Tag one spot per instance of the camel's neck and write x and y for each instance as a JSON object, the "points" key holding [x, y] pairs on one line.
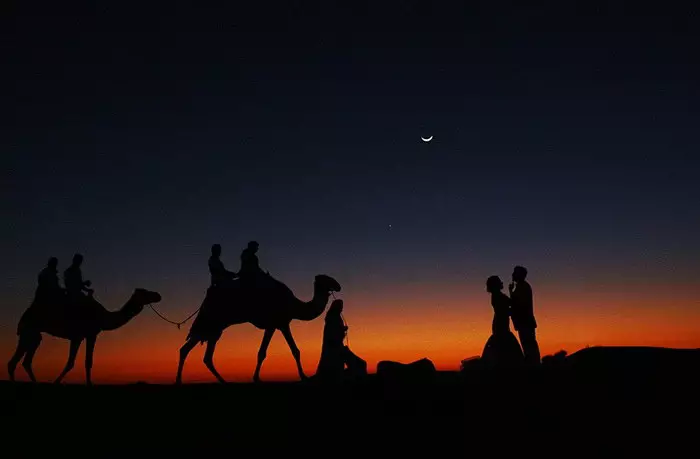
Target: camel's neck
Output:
{"points": [[310, 310], [111, 320]]}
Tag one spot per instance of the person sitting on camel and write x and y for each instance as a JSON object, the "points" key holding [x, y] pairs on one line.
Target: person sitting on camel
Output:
{"points": [[75, 285], [220, 276], [48, 290], [250, 266]]}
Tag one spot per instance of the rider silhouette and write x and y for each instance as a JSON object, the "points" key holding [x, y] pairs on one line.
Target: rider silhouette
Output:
{"points": [[250, 266], [48, 288], [73, 280], [220, 276]]}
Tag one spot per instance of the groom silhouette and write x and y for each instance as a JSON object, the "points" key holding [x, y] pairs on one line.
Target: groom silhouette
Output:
{"points": [[522, 313]]}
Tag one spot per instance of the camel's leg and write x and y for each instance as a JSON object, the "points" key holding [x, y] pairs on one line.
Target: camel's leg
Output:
{"points": [[89, 350], [209, 358], [72, 354], [262, 353], [184, 352], [17, 356], [287, 333], [27, 347]]}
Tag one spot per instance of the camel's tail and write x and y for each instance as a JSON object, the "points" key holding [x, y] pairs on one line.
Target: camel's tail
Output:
{"points": [[199, 339], [202, 324], [189, 336]]}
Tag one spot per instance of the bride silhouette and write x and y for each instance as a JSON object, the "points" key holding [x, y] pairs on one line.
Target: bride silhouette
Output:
{"points": [[502, 348]]}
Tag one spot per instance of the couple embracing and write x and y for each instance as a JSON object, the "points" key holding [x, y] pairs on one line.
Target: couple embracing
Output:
{"points": [[502, 348]]}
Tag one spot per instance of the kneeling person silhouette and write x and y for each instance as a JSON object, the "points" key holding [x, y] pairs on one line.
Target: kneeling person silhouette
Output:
{"points": [[335, 355]]}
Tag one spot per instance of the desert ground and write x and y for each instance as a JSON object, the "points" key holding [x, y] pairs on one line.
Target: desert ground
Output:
{"points": [[606, 402]]}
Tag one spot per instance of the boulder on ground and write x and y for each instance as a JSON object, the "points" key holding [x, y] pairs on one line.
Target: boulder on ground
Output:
{"points": [[556, 360], [470, 363], [420, 370]]}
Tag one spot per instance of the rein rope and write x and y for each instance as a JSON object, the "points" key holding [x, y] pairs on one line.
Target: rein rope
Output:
{"points": [[177, 324]]}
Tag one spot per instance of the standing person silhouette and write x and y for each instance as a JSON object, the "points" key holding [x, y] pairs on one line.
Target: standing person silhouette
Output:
{"points": [[502, 348], [220, 276], [522, 313]]}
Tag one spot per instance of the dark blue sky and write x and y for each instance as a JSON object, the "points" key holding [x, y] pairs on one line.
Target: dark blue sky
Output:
{"points": [[565, 139]]}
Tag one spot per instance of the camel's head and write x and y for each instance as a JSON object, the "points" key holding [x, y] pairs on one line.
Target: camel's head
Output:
{"points": [[326, 283], [143, 297]]}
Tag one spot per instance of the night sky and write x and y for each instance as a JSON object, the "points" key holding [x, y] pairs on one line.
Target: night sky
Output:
{"points": [[565, 140]]}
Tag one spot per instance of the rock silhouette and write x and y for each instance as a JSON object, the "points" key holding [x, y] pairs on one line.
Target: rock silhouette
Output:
{"points": [[422, 370]]}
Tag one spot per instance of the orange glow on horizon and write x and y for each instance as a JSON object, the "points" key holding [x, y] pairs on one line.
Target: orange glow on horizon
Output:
{"points": [[401, 329]]}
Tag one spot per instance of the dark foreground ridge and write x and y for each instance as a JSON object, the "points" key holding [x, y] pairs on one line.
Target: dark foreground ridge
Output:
{"points": [[584, 403]]}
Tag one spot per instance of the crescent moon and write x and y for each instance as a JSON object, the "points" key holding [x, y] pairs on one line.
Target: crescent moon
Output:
{"points": [[427, 140]]}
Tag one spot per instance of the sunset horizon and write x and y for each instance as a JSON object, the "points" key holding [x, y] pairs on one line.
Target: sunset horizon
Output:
{"points": [[146, 349]]}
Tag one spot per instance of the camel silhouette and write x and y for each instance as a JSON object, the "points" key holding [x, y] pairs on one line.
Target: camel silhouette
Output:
{"points": [[74, 323], [269, 305]]}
